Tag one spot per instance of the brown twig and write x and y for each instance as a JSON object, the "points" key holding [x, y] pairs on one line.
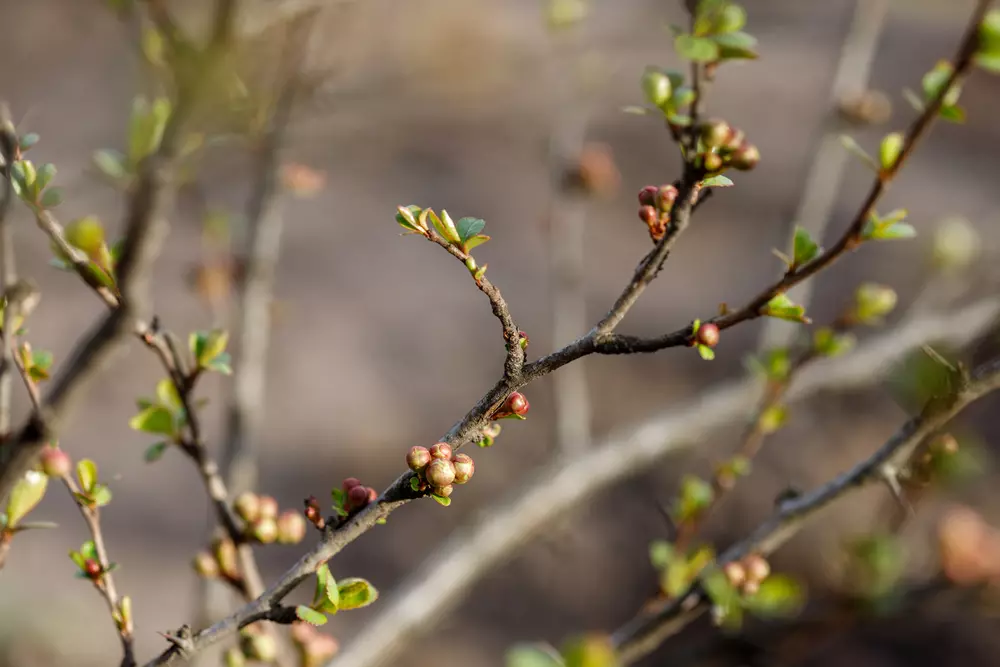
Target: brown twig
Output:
{"points": [[9, 149]]}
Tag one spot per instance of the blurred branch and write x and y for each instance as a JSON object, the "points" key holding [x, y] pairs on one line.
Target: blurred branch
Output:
{"points": [[476, 550], [643, 634], [9, 149], [818, 200]]}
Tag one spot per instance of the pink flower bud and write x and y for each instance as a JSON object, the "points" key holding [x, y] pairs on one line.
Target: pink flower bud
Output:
{"points": [[465, 467], [440, 473], [417, 458]]}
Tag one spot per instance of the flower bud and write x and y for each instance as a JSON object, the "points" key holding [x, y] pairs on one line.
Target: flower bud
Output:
{"points": [[945, 444], [873, 301], [205, 565], [515, 405], [440, 473], [264, 530], [234, 658], [225, 555], [92, 569], [444, 491], [465, 467], [734, 139], [735, 573], [757, 568], [714, 133], [372, 495], [647, 196], [441, 450], [708, 334], [745, 157], [357, 498], [712, 162], [314, 513], [260, 647], [267, 508], [247, 506], [648, 215], [417, 458], [750, 587], [657, 87], [56, 462], [665, 197], [291, 527], [350, 483]]}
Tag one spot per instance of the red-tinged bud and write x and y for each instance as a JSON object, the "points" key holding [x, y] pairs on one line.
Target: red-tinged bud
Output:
{"points": [[314, 513], [647, 196], [303, 633], [247, 506], [291, 527], [440, 473], [92, 569], [350, 483], [357, 498], [734, 140], [714, 133], [735, 573], [417, 458], [444, 491], [268, 508], [516, 405], [745, 157], [492, 430], [320, 650], [225, 555], [441, 450], [56, 462], [265, 531], [757, 568], [712, 162], [372, 495], [465, 467], [665, 197], [523, 340], [708, 334], [648, 215], [205, 565]]}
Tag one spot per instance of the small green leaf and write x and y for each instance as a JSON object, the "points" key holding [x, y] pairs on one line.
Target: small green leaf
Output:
{"points": [[310, 616], [804, 248], [706, 353], [86, 472], [661, 554], [532, 655], [45, 175], [697, 49], [89, 550], [831, 344], [726, 608], [718, 181], [475, 241], [592, 650], [155, 451], [26, 494], [784, 308], [100, 495], [414, 483], [852, 146], [695, 495], [221, 364], [736, 46], [407, 217], [167, 394], [989, 62], [356, 593], [441, 500], [78, 559], [683, 96], [111, 164], [891, 147], [935, 80], [213, 344], [155, 419], [51, 198], [731, 18], [657, 87], [779, 596], [952, 113], [772, 419], [28, 140], [468, 227], [331, 593]]}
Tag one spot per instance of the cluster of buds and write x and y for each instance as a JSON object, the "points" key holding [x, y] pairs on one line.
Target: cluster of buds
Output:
{"points": [[722, 146], [747, 575], [489, 435], [515, 407], [263, 522], [314, 647], [55, 462], [220, 562], [356, 495], [655, 204], [439, 468]]}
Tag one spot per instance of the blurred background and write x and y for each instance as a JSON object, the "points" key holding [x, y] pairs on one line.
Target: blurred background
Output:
{"points": [[380, 342]]}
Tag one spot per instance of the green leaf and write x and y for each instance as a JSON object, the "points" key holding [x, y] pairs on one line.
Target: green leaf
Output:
{"points": [[706, 353], [28, 140], [446, 226], [726, 608], [414, 483], [221, 364], [167, 394], [155, 451], [78, 559], [468, 227], [888, 228], [697, 49], [852, 146], [100, 495], [210, 345], [26, 494], [891, 147], [661, 554], [657, 87], [953, 114], [146, 127], [784, 308], [592, 650], [804, 248], [935, 80], [327, 595], [355, 593], [86, 472], [532, 655], [407, 217], [989, 32], [155, 419], [441, 500], [89, 550], [731, 18], [695, 495], [683, 96], [989, 62], [736, 46], [772, 419], [310, 616], [718, 181], [110, 163], [779, 596], [477, 240], [45, 175], [831, 344], [51, 198]]}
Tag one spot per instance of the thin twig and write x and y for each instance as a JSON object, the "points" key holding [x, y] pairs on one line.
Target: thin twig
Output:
{"points": [[564, 485], [447, 575], [8, 268], [643, 634]]}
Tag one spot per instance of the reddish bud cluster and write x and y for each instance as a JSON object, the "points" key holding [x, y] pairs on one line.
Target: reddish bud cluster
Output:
{"points": [[516, 405], [314, 513], [747, 575], [314, 647], [358, 496], [655, 204], [724, 146], [439, 468]]}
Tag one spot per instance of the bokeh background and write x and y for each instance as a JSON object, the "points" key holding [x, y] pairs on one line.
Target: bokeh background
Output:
{"points": [[380, 343]]}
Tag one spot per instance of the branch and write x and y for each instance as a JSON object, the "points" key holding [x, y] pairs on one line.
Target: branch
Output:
{"points": [[641, 636], [9, 149], [447, 575]]}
